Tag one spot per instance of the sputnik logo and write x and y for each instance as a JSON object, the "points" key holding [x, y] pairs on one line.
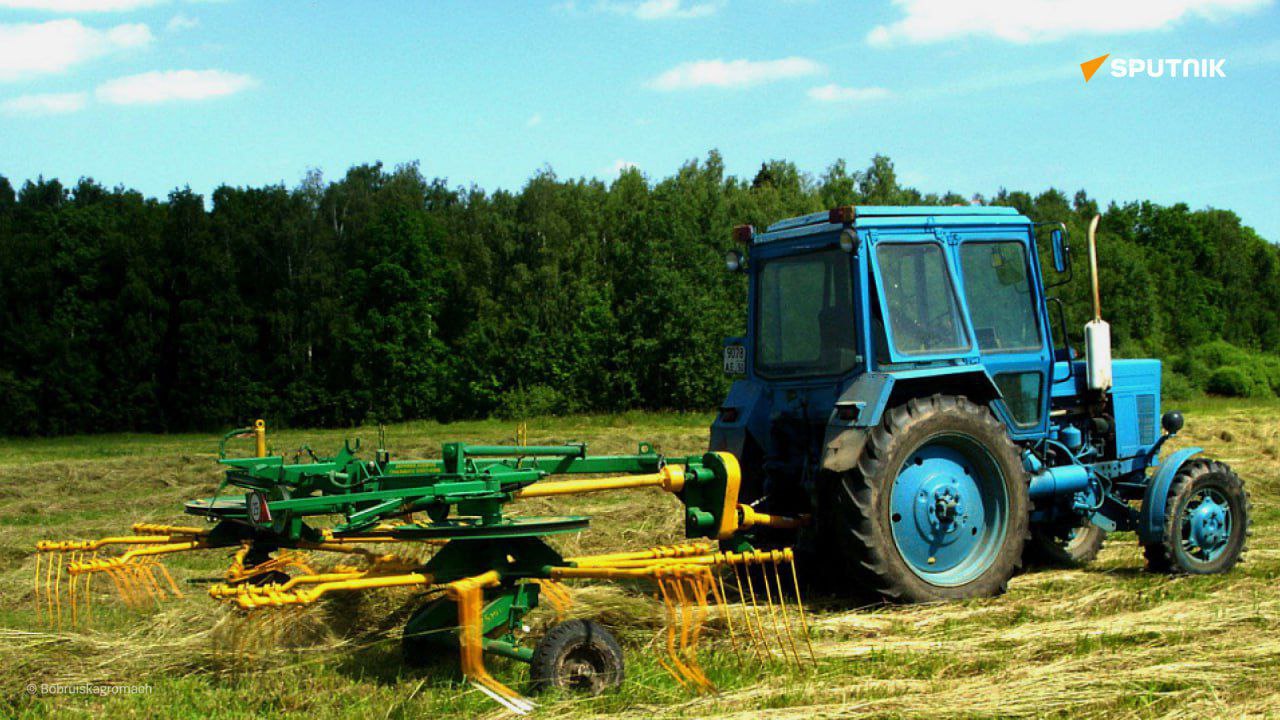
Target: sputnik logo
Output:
{"points": [[1089, 67], [1171, 68]]}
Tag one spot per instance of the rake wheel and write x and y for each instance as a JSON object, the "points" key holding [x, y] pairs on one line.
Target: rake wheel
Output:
{"points": [[577, 655]]}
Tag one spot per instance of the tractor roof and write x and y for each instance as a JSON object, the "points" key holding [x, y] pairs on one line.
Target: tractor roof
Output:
{"points": [[940, 214]]}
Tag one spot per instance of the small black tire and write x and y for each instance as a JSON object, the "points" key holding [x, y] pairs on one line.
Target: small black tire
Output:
{"points": [[577, 655], [1065, 547], [862, 499], [1198, 476]]}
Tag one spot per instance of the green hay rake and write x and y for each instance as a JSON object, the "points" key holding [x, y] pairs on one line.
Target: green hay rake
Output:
{"points": [[481, 568]]}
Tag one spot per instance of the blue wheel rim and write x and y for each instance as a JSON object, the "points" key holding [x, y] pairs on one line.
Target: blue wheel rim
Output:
{"points": [[1206, 525], [949, 510]]}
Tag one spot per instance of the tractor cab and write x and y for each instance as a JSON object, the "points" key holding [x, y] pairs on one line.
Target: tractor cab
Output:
{"points": [[847, 305], [898, 382]]}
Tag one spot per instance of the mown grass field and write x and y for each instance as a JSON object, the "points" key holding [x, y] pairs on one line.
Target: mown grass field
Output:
{"points": [[1106, 641]]}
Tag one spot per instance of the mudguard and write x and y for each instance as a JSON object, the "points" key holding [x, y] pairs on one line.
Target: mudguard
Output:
{"points": [[1155, 502], [844, 438]]}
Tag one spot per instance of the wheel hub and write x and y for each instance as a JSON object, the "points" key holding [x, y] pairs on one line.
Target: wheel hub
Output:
{"points": [[1208, 525], [947, 519]]}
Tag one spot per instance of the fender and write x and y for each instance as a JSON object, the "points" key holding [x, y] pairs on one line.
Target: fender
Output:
{"points": [[1156, 500], [866, 399]]}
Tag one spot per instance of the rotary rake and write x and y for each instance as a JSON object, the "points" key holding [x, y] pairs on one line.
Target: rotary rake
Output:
{"points": [[480, 568]]}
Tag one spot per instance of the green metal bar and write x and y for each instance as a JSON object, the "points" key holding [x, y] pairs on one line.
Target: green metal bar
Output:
{"points": [[524, 450], [462, 490], [507, 650]]}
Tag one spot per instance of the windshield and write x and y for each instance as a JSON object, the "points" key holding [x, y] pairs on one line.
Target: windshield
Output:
{"points": [[804, 315], [921, 303]]}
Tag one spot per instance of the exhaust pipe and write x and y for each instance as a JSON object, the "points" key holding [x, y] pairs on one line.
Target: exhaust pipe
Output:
{"points": [[1097, 333]]}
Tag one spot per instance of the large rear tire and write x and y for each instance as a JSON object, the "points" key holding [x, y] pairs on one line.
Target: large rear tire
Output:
{"points": [[937, 507]]}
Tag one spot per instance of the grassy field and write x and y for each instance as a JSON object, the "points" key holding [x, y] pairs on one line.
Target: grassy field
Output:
{"points": [[1106, 641]]}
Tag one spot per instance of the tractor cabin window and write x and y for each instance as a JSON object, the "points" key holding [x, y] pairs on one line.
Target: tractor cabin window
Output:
{"points": [[804, 316], [920, 300], [997, 287]]}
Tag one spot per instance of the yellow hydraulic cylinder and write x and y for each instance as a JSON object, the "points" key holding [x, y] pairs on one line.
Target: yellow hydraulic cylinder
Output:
{"points": [[670, 478], [260, 437]]}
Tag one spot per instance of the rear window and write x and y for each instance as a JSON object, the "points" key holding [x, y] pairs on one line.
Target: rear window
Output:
{"points": [[804, 315]]}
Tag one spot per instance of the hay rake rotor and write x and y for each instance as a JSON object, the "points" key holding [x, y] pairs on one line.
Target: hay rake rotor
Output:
{"points": [[481, 569]]}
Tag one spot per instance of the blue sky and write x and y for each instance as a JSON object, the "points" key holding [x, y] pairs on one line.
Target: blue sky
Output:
{"points": [[154, 94]]}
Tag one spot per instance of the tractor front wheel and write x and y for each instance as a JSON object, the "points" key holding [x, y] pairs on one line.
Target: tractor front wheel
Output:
{"points": [[1206, 521], [937, 506]]}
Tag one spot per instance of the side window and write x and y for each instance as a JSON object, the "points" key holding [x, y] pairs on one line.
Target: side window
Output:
{"points": [[1021, 391], [920, 300], [997, 287]]}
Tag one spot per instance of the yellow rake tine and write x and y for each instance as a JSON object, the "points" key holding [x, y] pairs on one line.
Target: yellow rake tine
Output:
{"points": [[764, 575], [690, 632], [148, 574], [88, 598], [139, 583], [698, 586], [677, 588], [125, 585], [57, 591], [804, 623], [717, 589], [782, 608], [75, 556], [746, 614], [679, 668], [36, 595], [765, 653], [172, 585]]}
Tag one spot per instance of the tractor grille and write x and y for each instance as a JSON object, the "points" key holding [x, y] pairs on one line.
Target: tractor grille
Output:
{"points": [[1146, 419]]}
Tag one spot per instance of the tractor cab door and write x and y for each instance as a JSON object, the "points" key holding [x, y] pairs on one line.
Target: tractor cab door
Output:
{"points": [[1003, 294]]}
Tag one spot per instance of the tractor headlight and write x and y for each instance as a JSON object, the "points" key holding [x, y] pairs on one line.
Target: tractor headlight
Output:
{"points": [[733, 261]]}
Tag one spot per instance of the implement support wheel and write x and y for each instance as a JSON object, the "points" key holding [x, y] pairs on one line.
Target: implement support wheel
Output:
{"points": [[577, 655]]}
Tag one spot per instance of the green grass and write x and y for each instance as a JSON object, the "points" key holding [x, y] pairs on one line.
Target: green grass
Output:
{"points": [[1105, 641]]}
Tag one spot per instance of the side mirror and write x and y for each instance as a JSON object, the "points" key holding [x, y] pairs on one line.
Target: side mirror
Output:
{"points": [[1061, 250]]}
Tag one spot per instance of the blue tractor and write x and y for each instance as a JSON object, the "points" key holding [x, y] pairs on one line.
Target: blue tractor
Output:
{"points": [[900, 385]]}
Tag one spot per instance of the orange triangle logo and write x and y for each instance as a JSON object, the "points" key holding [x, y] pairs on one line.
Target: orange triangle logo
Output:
{"points": [[1089, 67]]}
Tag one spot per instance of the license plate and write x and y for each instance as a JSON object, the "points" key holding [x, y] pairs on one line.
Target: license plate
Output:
{"points": [[735, 360]]}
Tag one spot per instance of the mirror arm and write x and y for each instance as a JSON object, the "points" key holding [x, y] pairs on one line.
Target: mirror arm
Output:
{"points": [[1066, 344]]}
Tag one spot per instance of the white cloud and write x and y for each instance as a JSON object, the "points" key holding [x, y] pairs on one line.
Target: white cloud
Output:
{"points": [[44, 104], [78, 6], [1029, 21], [158, 87], [534, 119], [664, 9], [28, 49], [734, 73], [840, 94], [619, 166], [181, 22]]}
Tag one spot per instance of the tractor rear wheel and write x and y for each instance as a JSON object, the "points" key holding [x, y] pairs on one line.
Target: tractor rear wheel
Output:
{"points": [[1206, 521], [937, 506]]}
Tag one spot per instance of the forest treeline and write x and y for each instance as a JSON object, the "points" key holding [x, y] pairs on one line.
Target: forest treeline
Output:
{"points": [[385, 295]]}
